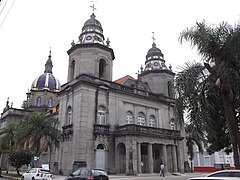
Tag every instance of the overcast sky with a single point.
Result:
(31, 27)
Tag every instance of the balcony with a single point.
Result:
(67, 131)
(137, 130)
(100, 129)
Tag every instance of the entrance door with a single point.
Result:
(100, 157)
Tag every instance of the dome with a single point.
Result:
(154, 52)
(92, 32)
(46, 81)
(92, 24)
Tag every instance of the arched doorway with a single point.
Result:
(100, 156)
(121, 160)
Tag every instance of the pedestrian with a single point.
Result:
(142, 166)
(162, 170)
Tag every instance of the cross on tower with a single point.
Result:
(93, 7)
(153, 38)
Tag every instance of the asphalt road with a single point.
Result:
(140, 177)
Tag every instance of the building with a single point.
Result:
(206, 162)
(114, 125)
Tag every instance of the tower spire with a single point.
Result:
(48, 65)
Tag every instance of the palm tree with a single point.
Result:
(193, 138)
(8, 139)
(39, 132)
(219, 47)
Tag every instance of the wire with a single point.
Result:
(7, 14)
(3, 7)
(0, 2)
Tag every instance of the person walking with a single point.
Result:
(142, 166)
(162, 170)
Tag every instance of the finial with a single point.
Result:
(7, 103)
(11, 104)
(108, 42)
(153, 38)
(170, 67)
(50, 52)
(93, 7)
(73, 43)
(141, 68)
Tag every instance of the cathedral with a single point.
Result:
(125, 126)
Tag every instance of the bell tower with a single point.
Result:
(159, 77)
(91, 55)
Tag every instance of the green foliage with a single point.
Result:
(211, 98)
(19, 158)
(39, 132)
(8, 137)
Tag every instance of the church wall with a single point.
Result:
(158, 82)
(82, 100)
(45, 96)
(120, 104)
(87, 62)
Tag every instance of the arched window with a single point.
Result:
(170, 88)
(38, 102)
(72, 70)
(172, 124)
(141, 119)
(100, 146)
(50, 102)
(129, 117)
(101, 115)
(102, 65)
(69, 115)
(152, 121)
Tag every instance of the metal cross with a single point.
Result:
(93, 7)
(153, 38)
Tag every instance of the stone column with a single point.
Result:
(127, 158)
(139, 157)
(150, 158)
(174, 155)
(164, 156)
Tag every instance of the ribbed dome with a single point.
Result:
(154, 51)
(92, 32)
(92, 24)
(46, 81)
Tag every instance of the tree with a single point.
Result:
(39, 132)
(19, 158)
(219, 46)
(8, 139)
(193, 138)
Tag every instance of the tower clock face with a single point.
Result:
(88, 37)
(156, 65)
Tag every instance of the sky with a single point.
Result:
(28, 28)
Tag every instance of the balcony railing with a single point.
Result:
(133, 129)
(100, 129)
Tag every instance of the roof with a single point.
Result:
(122, 80)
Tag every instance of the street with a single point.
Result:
(141, 177)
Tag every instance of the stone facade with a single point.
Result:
(113, 125)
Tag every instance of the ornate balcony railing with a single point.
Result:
(133, 129)
(100, 129)
(67, 131)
